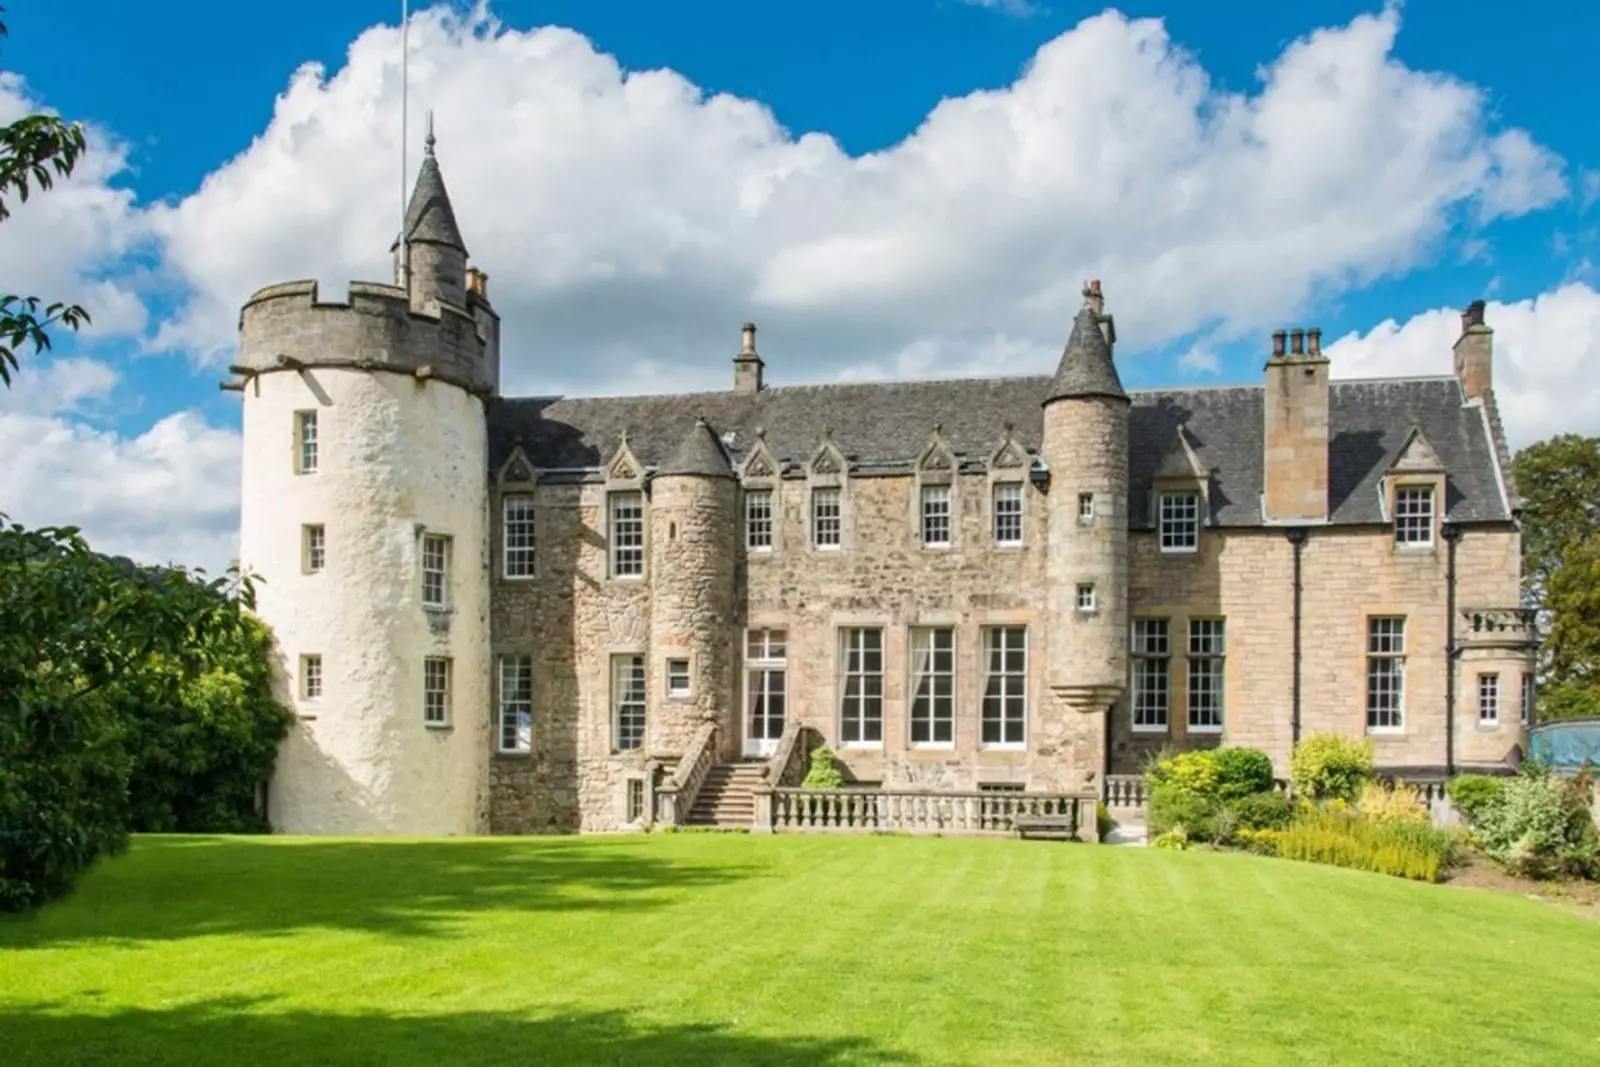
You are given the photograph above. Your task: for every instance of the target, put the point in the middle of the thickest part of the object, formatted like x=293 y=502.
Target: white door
x=764 y=706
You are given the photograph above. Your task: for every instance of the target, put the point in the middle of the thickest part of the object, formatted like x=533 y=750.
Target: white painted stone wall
x=397 y=456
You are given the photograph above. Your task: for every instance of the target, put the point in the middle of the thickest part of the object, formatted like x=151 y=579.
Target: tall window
x=314 y=546
x=1488 y=700
x=627 y=533
x=1386 y=673
x=310 y=677
x=766 y=691
x=825 y=517
x=1008 y=513
x=1005 y=686
x=936 y=516
x=516 y=703
x=635 y=799
x=1413 y=515
x=305 y=442
x=933 y=691
x=627 y=702
x=518 y=535
x=861 y=688
x=1180 y=522
x=1152 y=661
x=436 y=691
x=1529 y=695
x=1207 y=647
x=435 y=570
x=758 y=519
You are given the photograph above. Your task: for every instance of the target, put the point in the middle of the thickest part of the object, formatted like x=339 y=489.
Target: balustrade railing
x=1125 y=791
x=910 y=811
x=676 y=795
x=1492 y=626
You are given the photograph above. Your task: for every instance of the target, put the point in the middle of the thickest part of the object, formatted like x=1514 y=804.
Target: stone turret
x=1086 y=450
x=694 y=550
x=430 y=256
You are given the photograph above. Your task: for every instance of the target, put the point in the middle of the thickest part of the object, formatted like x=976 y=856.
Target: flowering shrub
x=1328 y=766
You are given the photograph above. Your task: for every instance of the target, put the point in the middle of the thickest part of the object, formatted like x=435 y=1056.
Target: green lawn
x=700 y=948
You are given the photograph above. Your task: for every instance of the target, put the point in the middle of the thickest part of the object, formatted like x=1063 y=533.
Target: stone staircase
x=727 y=799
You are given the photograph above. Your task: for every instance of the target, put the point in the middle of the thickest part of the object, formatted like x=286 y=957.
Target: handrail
x=919 y=811
x=677 y=795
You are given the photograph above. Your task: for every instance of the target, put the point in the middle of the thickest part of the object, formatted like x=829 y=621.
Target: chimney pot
x=1314 y=341
x=1473 y=316
x=1278 y=337
x=748 y=345
x=478 y=282
x=1297 y=342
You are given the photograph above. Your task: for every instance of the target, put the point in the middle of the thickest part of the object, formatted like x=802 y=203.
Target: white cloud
x=1546 y=358
x=1015 y=8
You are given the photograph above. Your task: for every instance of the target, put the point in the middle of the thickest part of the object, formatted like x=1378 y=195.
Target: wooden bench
x=1048 y=827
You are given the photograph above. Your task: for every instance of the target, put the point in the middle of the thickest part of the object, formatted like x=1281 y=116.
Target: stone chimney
x=477 y=283
x=1475 y=353
x=1295 y=464
x=747 y=365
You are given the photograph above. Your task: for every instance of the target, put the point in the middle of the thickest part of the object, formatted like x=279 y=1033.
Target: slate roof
x=699 y=453
x=429 y=215
x=882 y=426
x=1086 y=368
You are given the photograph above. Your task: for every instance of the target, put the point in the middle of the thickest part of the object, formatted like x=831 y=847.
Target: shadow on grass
x=245 y=1030
x=167 y=888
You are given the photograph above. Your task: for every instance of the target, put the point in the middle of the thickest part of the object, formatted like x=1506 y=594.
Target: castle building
x=512 y=615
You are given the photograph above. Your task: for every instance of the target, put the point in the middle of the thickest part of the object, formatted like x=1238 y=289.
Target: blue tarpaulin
x=1566 y=747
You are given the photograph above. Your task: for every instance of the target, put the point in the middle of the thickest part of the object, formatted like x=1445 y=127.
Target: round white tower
x=364 y=511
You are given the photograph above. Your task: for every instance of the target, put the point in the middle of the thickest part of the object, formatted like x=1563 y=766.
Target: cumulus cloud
x=1546 y=358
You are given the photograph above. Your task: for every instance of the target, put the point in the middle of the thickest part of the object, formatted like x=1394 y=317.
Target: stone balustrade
x=913 y=811
x=1497 y=627
x=1125 y=791
x=676 y=795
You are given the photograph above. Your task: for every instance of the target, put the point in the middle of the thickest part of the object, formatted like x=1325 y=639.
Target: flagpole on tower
x=405 y=238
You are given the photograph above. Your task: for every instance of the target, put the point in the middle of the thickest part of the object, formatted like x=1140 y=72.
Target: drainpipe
x=1297 y=538
x=1452 y=536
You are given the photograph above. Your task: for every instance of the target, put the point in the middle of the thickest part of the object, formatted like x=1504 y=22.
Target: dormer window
x=1179 y=519
x=1413 y=516
x=936 y=516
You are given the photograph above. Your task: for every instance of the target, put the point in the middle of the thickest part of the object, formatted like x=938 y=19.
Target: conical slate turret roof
x=429 y=216
x=699 y=453
x=1086 y=368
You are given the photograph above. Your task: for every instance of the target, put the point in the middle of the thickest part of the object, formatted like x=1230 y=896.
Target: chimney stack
x=1295 y=464
x=478 y=283
x=1474 y=353
x=747 y=365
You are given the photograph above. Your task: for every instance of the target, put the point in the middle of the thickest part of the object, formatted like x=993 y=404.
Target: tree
x=1559 y=480
x=34 y=151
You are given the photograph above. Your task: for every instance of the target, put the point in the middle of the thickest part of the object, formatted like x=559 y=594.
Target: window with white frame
x=1008 y=513
x=1085 y=507
x=758 y=519
x=436 y=691
x=1489 y=699
x=435 y=570
x=518 y=534
x=1151 y=700
x=861 y=686
x=627 y=702
x=314 y=546
x=1179 y=515
x=678 y=686
x=1386 y=673
x=310 y=677
x=626 y=526
x=305 y=442
x=936 y=516
x=826 y=524
x=1005 y=686
x=1529 y=696
x=766 y=688
x=1085 y=598
x=1207 y=669
x=933 y=690
x=516 y=703
x=1413 y=516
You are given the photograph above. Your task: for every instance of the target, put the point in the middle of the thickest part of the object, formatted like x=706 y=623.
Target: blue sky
x=189 y=91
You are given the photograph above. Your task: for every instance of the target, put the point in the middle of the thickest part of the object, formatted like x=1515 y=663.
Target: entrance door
x=766 y=697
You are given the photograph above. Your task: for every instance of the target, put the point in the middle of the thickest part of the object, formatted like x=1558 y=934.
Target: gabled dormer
x=760 y=485
x=1008 y=491
x=828 y=497
x=936 y=509
x=1180 y=496
x=1413 y=491
x=517 y=533
x=624 y=514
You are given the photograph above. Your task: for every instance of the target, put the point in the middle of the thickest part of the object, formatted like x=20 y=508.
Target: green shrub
x=1399 y=803
x=1103 y=822
x=1414 y=850
x=1475 y=795
x=1175 y=839
x=1261 y=842
x=1263 y=811
x=1172 y=806
x=1542 y=827
x=822 y=772
x=1329 y=767
x=1192 y=772
x=1242 y=772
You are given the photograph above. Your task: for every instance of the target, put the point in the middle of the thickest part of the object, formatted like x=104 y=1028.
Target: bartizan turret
x=1086 y=450
x=363 y=508
x=694 y=550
